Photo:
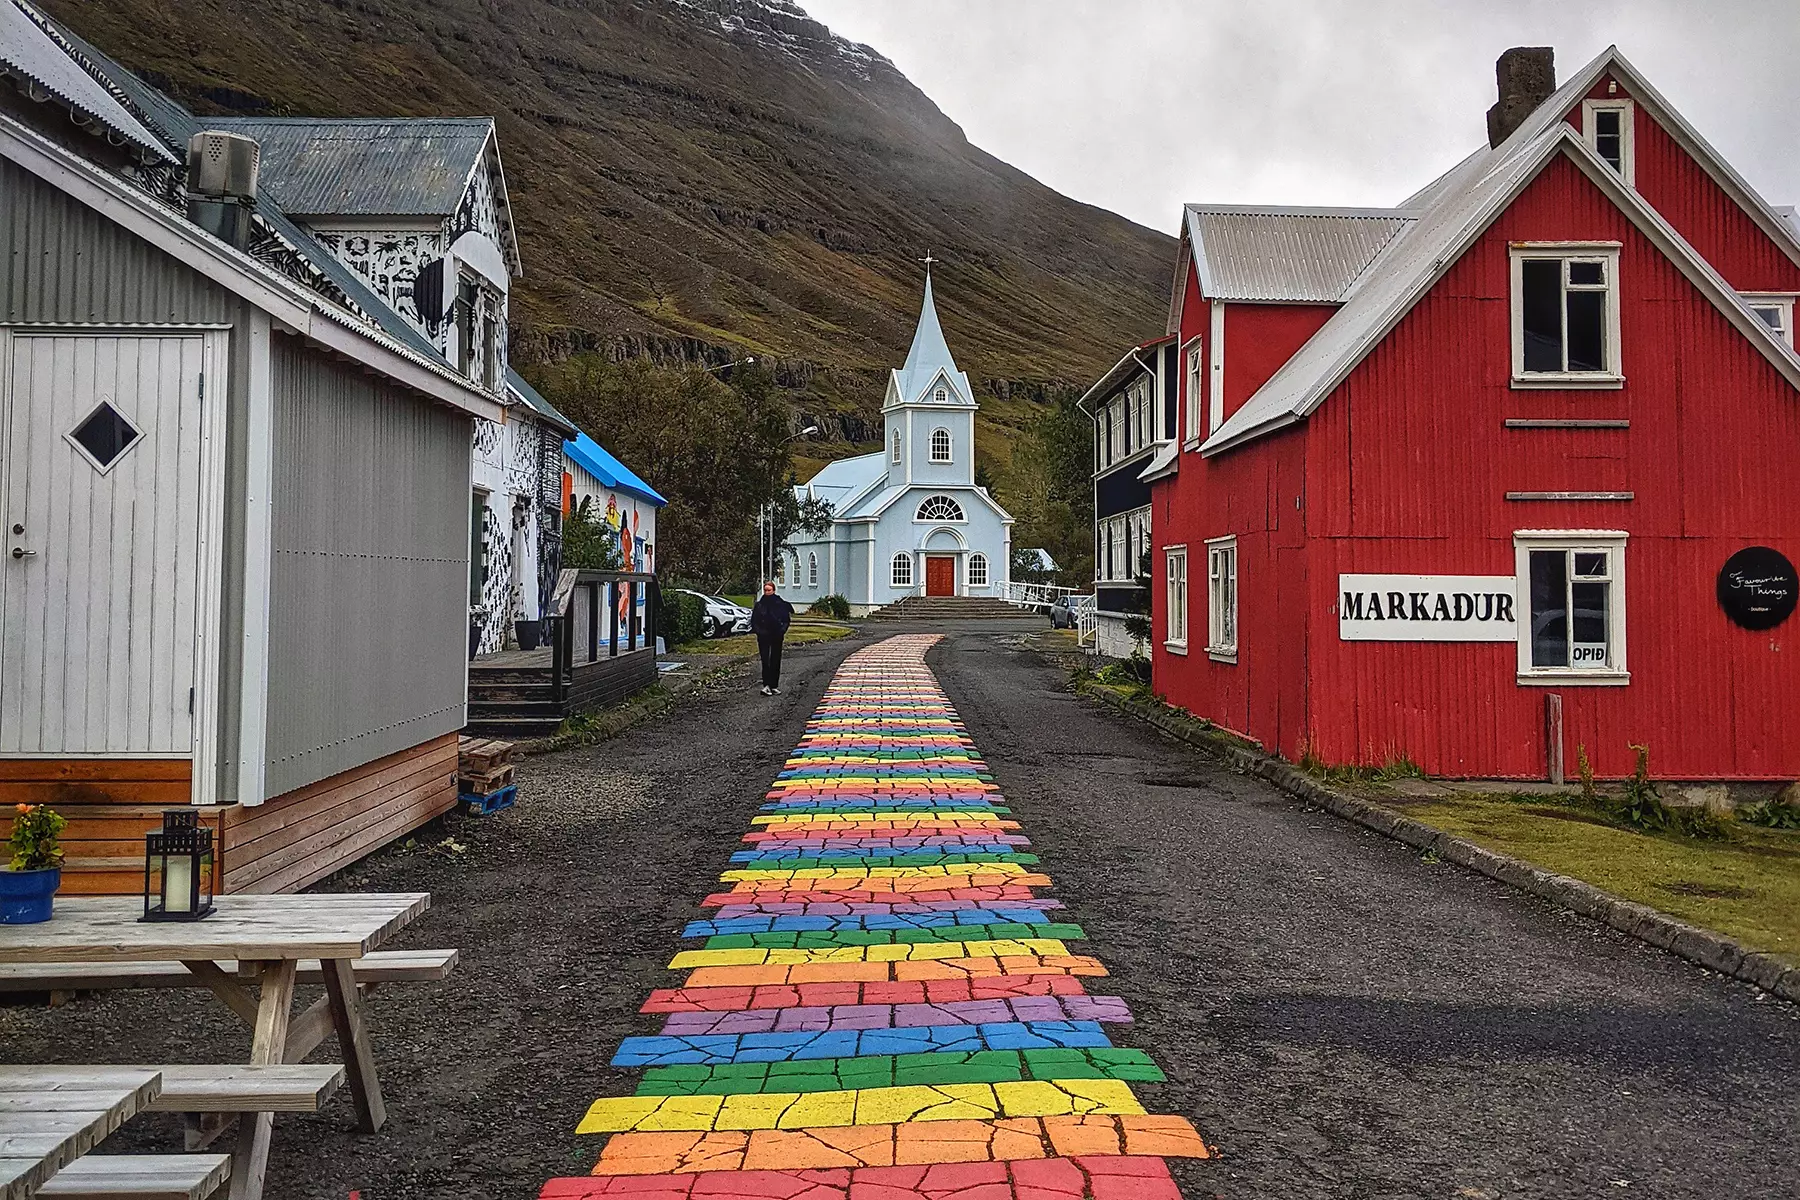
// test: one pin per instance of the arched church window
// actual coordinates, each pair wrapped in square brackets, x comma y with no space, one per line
[896,445]
[780,570]
[978,570]
[942,396]
[812,570]
[940,508]
[940,445]
[902,570]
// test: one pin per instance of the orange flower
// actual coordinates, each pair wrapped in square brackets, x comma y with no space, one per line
[24,808]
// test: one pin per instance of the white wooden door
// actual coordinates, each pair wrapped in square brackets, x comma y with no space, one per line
[101,494]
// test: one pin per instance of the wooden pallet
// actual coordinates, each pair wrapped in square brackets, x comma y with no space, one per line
[484,805]
[477,756]
[484,782]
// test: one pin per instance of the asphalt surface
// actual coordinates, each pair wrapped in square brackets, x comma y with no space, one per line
[1339,1018]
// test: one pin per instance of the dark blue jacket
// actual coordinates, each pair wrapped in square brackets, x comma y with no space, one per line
[771,617]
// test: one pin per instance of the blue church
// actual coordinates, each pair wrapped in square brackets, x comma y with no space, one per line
[909,519]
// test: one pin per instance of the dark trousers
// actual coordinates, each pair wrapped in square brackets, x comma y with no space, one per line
[769,646]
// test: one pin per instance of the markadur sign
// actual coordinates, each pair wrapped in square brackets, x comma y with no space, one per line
[1427,608]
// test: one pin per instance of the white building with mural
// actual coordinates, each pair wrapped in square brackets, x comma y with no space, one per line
[419,209]
[909,520]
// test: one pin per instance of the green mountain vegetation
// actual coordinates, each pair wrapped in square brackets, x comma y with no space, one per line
[702,180]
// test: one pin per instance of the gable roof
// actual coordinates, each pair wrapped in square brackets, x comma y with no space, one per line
[370,167]
[846,481]
[296,306]
[1462,212]
[534,400]
[593,458]
[1610,61]
[1297,255]
[1128,365]
[29,48]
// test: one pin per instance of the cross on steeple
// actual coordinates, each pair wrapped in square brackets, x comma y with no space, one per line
[928,260]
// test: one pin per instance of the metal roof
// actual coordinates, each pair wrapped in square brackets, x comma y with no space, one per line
[320,166]
[1287,254]
[29,48]
[594,458]
[534,400]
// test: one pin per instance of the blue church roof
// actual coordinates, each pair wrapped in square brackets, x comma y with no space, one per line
[593,458]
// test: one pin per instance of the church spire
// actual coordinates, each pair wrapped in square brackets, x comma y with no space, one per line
[929,350]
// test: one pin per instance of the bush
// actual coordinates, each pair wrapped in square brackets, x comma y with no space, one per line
[1773,813]
[1640,807]
[831,606]
[687,619]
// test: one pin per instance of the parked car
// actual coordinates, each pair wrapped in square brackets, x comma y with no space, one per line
[722,617]
[1061,615]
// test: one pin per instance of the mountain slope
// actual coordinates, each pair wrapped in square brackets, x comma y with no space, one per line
[720,172]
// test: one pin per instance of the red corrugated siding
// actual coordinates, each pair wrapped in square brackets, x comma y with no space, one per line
[1259,338]
[1405,468]
[1699,209]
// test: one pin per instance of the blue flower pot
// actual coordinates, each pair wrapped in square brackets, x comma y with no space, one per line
[26,897]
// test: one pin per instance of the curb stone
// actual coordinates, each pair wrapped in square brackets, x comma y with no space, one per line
[1714,951]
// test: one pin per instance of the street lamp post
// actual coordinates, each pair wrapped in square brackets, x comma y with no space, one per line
[765,520]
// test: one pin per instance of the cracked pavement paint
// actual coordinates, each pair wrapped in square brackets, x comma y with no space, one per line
[883,1006]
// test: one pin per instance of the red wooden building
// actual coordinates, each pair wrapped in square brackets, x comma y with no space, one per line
[1526,443]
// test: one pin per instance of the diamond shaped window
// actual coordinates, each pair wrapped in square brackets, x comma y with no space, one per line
[105,436]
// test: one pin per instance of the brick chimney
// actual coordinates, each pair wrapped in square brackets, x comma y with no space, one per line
[1527,76]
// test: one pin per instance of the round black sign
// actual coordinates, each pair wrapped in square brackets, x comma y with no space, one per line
[1758,588]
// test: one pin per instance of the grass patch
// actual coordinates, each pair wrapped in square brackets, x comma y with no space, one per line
[799,634]
[1745,885]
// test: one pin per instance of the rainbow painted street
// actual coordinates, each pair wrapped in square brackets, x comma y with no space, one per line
[881,1003]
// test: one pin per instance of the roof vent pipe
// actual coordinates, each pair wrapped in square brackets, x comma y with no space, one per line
[1527,77]
[221,183]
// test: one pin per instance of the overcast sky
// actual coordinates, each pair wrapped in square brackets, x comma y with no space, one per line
[1141,105]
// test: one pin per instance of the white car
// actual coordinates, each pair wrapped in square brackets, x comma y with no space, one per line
[722,617]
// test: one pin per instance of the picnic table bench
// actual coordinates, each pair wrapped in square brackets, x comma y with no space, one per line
[51,1116]
[250,942]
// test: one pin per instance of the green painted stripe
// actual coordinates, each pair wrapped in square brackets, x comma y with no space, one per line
[843,1074]
[819,939]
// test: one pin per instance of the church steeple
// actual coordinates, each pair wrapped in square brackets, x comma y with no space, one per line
[929,358]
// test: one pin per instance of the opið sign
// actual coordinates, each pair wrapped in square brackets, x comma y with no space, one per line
[1427,608]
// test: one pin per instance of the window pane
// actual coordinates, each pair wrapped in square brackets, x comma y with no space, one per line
[1587,336]
[1589,649]
[1549,608]
[1541,282]
[1587,272]
[1591,566]
[1771,315]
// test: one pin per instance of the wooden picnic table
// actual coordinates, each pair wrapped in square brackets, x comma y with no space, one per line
[50,1116]
[267,936]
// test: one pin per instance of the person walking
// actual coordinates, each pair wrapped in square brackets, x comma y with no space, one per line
[769,621]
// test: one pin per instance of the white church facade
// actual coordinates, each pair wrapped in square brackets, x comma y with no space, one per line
[910,519]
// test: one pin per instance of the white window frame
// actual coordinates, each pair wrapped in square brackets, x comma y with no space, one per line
[780,570]
[1627,141]
[1781,302]
[1175,595]
[1605,253]
[1610,542]
[1194,385]
[812,569]
[896,445]
[1140,430]
[949,445]
[1215,411]
[900,570]
[961,517]
[1222,598]
[1115,429]
[978,559]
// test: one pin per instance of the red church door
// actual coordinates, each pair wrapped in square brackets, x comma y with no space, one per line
[940,575]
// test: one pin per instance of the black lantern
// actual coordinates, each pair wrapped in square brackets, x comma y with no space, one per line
[178,868]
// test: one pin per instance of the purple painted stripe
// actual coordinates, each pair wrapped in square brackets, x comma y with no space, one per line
[906,1016]
[819,908]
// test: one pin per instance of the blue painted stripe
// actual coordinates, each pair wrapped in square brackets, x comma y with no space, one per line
[715,1049]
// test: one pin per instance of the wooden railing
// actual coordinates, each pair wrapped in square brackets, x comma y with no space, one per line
[594,615]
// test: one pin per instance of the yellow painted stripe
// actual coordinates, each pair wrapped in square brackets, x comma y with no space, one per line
[863,1106]
[750,956]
